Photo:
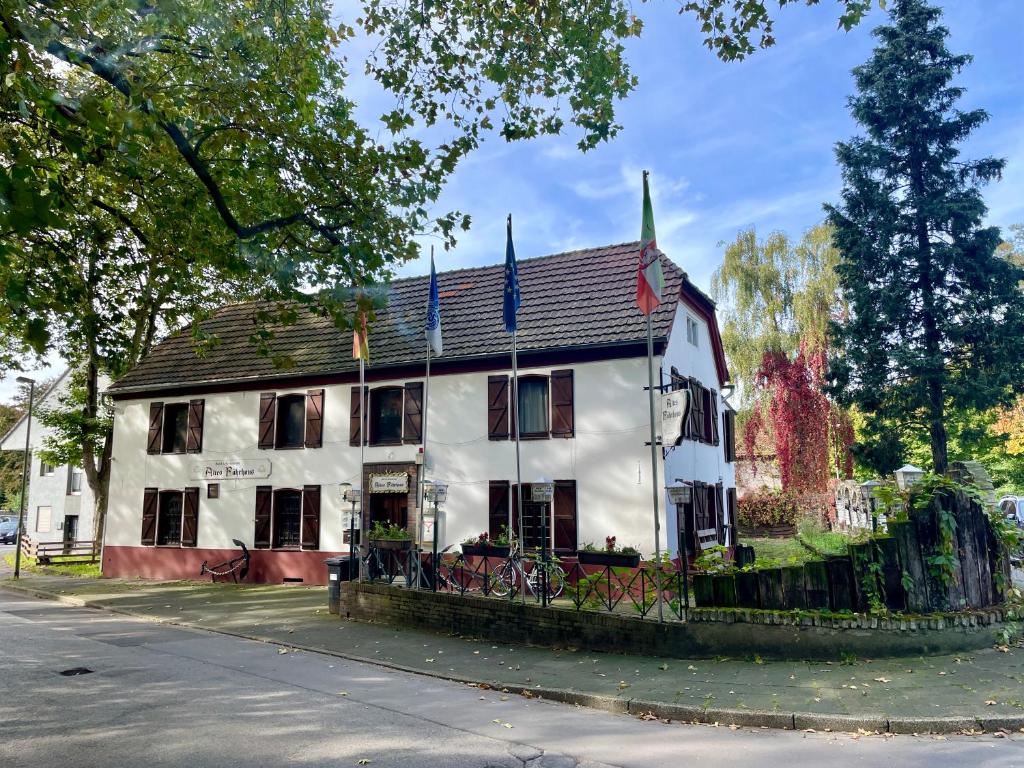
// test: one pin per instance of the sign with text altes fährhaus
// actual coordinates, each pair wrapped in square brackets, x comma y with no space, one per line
[674,406]
[240,469]
[391,482]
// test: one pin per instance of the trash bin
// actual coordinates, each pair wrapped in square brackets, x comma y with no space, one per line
[337,572]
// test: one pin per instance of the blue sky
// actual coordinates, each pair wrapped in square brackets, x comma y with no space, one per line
[728,145]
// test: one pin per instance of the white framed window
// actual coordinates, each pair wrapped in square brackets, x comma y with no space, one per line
[46,470]
[75,475]
[692,331]
[43,519]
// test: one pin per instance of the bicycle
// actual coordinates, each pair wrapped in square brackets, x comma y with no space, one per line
[509,573]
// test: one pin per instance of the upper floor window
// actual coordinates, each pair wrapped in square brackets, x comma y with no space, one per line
[291,421]
[45,469]
[545,406]
[394,414]
[692,331]
[74,481]
[386,415]
[532,406]
[176,427]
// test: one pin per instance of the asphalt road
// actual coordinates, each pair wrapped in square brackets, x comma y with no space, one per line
[164,696]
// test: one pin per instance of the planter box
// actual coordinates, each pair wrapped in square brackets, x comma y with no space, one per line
[392,544]
[613,559]
[490,550]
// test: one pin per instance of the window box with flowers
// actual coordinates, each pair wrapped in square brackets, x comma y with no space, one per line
[388,536]
[484,546]
[626,557]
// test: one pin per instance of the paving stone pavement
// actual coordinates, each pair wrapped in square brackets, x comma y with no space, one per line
[916,694]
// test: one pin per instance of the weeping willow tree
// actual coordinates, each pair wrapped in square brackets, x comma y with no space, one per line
[778,298]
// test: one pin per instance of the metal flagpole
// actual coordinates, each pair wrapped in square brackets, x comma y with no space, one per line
[364,491]
[514,401]
[654,466]
[423,479]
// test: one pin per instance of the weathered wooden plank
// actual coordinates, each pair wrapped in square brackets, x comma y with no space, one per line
[816,584]
[769,586]
[724,589]
[887,555]
[841,596]
[703,590]
[864,581]
[793,587]
[747,595]
[909,552]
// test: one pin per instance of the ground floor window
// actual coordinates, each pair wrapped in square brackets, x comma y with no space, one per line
[168,526]
[559,517]
[287,518]
[43,515]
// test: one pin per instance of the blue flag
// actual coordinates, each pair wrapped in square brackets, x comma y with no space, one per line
[511,282]
[434,312]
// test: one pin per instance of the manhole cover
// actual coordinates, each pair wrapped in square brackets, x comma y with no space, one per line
[76,671]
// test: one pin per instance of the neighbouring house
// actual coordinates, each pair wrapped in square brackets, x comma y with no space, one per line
[60,503]
[227,446]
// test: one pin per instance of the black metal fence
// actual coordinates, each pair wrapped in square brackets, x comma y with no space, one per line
[564,584]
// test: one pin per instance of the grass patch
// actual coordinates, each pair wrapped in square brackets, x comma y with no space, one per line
[829,542]
[81,570]
[779,549]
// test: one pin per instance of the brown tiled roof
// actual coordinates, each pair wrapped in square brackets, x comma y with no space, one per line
[575,299]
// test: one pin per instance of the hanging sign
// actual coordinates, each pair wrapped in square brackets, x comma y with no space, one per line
[242,469]
[542,493]
[391,482]
[675,407]
[679,494]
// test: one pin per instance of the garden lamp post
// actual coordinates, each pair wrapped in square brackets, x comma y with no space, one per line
[24,474]
[908,475]
[351,495]
[681,495]
[437,493]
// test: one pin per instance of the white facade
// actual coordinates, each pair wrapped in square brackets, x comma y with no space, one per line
[60,503]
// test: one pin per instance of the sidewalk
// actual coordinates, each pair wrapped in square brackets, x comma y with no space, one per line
[911,695]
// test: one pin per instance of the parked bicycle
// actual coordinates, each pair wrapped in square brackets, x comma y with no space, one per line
[510,574]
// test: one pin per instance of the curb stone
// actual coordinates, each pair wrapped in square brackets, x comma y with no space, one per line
[663,710]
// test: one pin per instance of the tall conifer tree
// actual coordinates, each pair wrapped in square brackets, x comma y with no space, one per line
[937,320]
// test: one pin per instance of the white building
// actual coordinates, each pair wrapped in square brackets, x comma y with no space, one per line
[227,446]
[60,503]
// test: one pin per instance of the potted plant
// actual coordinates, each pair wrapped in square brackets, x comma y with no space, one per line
[388,536]
[626,557]
[483,545]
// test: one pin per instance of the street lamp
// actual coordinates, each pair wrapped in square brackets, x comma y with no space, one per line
[351,495]
[436,492]
[908,475]
[24,473]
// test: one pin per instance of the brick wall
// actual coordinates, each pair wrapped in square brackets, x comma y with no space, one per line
[725,634]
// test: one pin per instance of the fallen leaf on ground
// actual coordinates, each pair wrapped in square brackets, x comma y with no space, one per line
[990,702]
[363,761]
[882,680]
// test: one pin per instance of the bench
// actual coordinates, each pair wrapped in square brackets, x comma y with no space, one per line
[707,538]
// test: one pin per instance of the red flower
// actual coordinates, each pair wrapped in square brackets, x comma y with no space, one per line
[609,543]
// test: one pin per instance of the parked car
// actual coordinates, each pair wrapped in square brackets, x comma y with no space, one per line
[1013,508]
[8,530]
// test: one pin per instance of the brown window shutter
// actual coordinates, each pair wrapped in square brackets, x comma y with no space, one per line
[730,436]
[714,418]
[696,410]
[314,418]
[355,416]
[731,501]
[264,505]
[719,517]
[268,418]
[190,517]
[565,516]
[194,441]
[150,504]
[311,517]
[156,427]
[562,417]
[497,514]
[497,407]
[412,426]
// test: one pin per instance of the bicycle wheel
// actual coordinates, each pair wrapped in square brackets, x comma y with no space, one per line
[556,582]
[502,579]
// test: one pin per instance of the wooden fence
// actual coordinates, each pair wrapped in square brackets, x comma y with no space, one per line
[60,552]
[899,570]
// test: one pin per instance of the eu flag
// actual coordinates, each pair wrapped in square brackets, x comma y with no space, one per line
[434,311]
[511,306]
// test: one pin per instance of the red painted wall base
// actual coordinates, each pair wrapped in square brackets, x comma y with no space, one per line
[172,563]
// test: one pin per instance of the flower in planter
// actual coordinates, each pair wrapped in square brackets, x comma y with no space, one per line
[609,543]
[382,530]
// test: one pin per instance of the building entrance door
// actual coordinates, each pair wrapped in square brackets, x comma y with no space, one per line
[390,508]
[70,531]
